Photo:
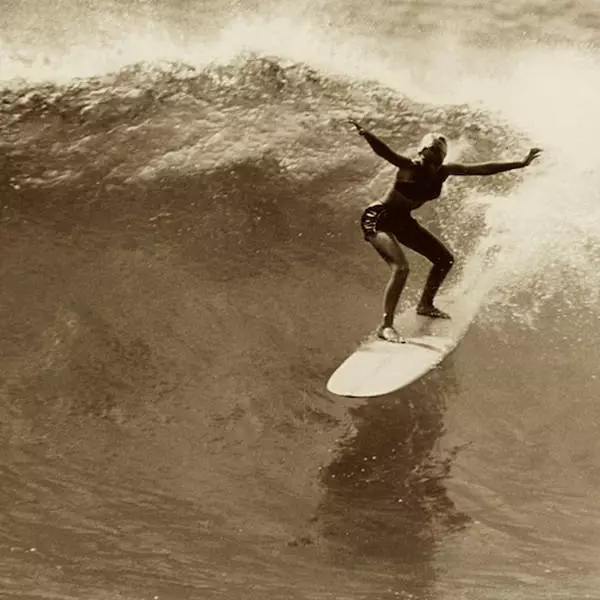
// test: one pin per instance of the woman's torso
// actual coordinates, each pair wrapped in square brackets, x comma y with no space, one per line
[415,186]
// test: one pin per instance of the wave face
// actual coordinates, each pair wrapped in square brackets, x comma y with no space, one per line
[182,268]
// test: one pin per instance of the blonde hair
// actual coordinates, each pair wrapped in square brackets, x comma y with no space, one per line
[432,139]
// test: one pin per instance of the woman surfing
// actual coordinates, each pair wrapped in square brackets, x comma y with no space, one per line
[388,223]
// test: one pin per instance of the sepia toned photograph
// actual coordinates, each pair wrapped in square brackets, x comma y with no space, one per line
[299,300]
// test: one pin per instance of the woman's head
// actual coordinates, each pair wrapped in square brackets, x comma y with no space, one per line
[433,148]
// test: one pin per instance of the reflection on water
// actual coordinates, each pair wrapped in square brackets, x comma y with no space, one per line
[386,498]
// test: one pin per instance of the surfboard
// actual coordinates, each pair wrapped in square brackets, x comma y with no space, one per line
[378,367]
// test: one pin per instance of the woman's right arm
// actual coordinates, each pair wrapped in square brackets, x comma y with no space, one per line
[380,148]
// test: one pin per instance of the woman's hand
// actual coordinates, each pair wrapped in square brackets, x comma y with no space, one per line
[533,154]
[361,130]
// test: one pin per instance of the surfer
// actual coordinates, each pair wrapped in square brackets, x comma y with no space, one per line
[388,223]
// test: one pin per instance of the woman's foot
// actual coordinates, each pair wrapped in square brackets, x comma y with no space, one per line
[432,312]
[389,334]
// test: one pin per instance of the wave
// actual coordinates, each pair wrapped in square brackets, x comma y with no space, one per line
[192,238]
[267,111]
[246,174]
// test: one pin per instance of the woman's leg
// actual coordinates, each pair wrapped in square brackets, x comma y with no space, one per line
[425,243]
[389,249]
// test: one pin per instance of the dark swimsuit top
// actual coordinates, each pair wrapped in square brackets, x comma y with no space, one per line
[423,187]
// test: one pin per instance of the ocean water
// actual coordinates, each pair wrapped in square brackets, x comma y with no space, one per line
[182,268]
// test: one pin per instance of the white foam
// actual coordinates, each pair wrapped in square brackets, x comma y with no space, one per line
[545,236]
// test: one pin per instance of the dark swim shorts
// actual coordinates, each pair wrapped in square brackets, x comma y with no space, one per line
[406,230]
[375,218]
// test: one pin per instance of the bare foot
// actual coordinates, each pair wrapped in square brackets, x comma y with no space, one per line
[389,334]
[432,312]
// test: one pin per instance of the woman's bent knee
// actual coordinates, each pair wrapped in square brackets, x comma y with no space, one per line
[400,269]
[445,262]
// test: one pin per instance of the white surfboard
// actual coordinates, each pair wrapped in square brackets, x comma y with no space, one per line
[378,367]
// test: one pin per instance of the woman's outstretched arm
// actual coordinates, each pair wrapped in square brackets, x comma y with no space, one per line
[491,168]
[380,148]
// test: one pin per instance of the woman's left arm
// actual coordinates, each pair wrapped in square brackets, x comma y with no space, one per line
[491,168]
